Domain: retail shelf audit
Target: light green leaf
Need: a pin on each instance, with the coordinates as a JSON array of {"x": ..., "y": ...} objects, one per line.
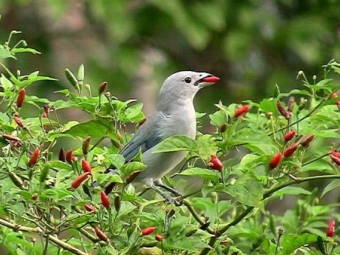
[
  {"x": 292, "y": 242},
  {"x": 203, "y": 173},
  {"x": 332, "y": 185},
  {"x": 291, "y": 191},
  {"x": 176, "y": 143},
  {"x": 93, "y": 128}
]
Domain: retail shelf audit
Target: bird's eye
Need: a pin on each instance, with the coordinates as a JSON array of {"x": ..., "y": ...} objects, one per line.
[{"x": 187, "y": 79}]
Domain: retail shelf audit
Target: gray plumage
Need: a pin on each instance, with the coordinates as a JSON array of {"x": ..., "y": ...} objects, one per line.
[{"x": 174, "y": 115}]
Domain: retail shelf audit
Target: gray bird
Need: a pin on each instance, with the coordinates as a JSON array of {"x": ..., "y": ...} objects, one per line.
[{"x": 174, "y": 115}]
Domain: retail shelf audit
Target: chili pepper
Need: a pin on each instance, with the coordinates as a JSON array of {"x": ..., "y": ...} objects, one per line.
[
  {"x": 109, "y": 188},
  {"x": 61, "y": 155},
  {"x": 34, "y": 158},
  {"x": 79, "y": 180},
  {"x": 331, "y": 229},
  {"x": 100, "y": 234},
  {"x": 241, "y": 110},
  {"x": 147, "y": 231},
  {"x": 132, "y": 176},
  {"x": 105, "y": 200},
  {"x": 305, "y": 141},
  {"x": 159, "y": 238},
  {"x": 215, "y": 163},
  {"x": 335, "y": 159},
  {"x": 69, "y": 157},
  {"x": 19, "y": 122},
  {"x": 282, "y": 110},
  {"x": 275, "y": 161},
  {"x": 117, "y": 203},
  {"x": 86, "y": 166},
  {"x": 89, "y": 208},
  {"x": 102, "y": 88},
  {"x": 289, "y": 135},
  {"x": 21, "y": 97},
  {"x": 290, "y": 150}
]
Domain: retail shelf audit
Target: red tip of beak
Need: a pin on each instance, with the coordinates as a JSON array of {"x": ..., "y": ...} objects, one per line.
[{"x": 211, "y": 79}]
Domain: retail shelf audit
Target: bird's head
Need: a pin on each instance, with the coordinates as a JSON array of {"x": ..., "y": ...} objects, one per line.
[{"x": 185, "y": 84}]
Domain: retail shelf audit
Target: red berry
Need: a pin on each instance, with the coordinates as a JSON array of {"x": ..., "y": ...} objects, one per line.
[
  {"x": 275, "y": 161},
  {"x": 215, "y": 163},
  {"x": 241, "y": 110},
  {"x": 21, "y": 97},
  {"x": 86, "y": 166},
  {"x": 159, "y": 238},
  {"x": 79, "y": 180},
  {"x": 290, "y": 150},
  {"x": 34, "y": 158},
  {"x": 100, "y": 234},
  {"x": 289, "y": 135},
  {"x": 147, "y": 231},
  {"x": 105, "y": 200},
  {"x": 331, "y": 229}
]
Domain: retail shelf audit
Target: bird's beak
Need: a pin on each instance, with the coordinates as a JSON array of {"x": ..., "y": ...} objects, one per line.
[{"x": 207, "y": 80}]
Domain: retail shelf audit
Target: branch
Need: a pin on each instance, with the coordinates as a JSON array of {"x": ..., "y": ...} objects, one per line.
[
  {"x": 267, "y": 194},
  {"x": 52, "y": 238}
]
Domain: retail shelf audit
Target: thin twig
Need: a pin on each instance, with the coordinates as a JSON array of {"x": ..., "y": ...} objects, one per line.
[{"x": 52, "y": 238}]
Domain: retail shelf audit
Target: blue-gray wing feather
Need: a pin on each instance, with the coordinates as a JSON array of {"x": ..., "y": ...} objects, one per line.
[{"x": 146, "y": 137}]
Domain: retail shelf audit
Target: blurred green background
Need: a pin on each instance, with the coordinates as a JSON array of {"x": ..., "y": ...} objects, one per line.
[{"x": 252, "y": 45}]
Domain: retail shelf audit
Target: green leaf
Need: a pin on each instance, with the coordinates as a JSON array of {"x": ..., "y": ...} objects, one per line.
[
  {"x": 332, "y": 185},
  {"x": 93, "y": 128},
  {"x": 131, "y": 167},
  {"x": 203, "y": 173},
  {"x": 5, "y": 54},
  {"x": 291, "y": 191},
  {"x": 116, "y": 159},
  {"x": 176, "y": 143},
  {"x": 246, "y": 190},
  {"x": 292, "y": 242}
]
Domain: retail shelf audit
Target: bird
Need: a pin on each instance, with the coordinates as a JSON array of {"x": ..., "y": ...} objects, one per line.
[{"x": 174, "y": 115}]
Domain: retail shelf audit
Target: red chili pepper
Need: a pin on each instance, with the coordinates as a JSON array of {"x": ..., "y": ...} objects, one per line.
[
  {"x": 69, "y": 157},
  {"x": 215, "y": 163},
  {"x": 100, "y": 234},
  {"x": 79, "y": 180},
  {"x": 34, "y": 158},
  {"x": 19, "y": 122},
  {"x": 11, "y": 138},
  {"x": 282, "y": 110},
  {"x": 335, "y": 159},
  {"x": 241, "y": 110},
  {"x": 61, "y": 155},
  {"x": 305, "y": 141},
  {"x": 147, "y": 231},
  {"x": 335, "y": 153},
  {"x": 102, "y": 87},
  {"x": 290, "y": 150},
  {"x": 21, "y": 97},
  {"x": 89, "y": 208},
  {"x": 159, "y": 238},
  {"x": 86, "y": 166},
  {"x": 331, "y": 229},
  {"x": 289, "y": 135},
  {"x": 105, "y": 200},
  {"x": 86, "y": 145},
  {"x": 275, "y": 161}
]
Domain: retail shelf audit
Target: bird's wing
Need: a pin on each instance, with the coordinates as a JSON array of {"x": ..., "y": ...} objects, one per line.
[{"x": 146, "y": 137}]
